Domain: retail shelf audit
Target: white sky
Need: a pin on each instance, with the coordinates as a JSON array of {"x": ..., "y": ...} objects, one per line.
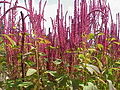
[
  {"x": 50, "y": 9},
  {"x": 115, "y": 6},
  {"x": 68, "y": 5}
]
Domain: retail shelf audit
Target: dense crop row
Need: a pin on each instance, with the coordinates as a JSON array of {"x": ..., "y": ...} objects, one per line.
[{"x": 81, "y": 54}]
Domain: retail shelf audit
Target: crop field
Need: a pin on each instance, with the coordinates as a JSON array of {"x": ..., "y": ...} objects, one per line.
[{"x": 79, "y": 52}]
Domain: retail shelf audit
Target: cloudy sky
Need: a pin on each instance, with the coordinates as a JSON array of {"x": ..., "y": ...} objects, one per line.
[
  {"x": 51, "y": 6},
  {"x": 68, "y": 4},
  {"x": 50, "y": 9}
]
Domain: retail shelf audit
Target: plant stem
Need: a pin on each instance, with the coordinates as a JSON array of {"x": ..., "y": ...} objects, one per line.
[{"x": 22, "y": 47}]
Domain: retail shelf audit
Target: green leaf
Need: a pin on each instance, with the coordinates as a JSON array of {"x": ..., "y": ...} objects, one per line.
[
  {"x": 112, "y": 39},
  {"x": 99, "y": 63},
  {"x": 91, "y": 49},
  {"x": 68, "y": 51},
  {"x": 76, "y": 83},
  {"x": 100, "y": 46},
  {"x": 52, "y": 47},
  {"x": 10, "y": 39},
  {"x": 31, "y": 72},
  {"x": 111, "y": 86},
  {"x": 90, "y": 86},
  {"x": 81, "y": 56},
  {"x": 92, "y": 68},
  {"x": 29, "y": 63},
  {"x": 91, "y": 36},
  {"x": 28, "y": 53},
  {"x": 32, "y": 48},
  {"x": 57, "y": 62},
  {"x": 101, "y": 80},
  {"x": 100, "y": 34},
  {"x": 25, "y": 84},
  {"x": 69, "y": 84},
  {"x": 59, "y": 79},
  {"x": 2, "y": 49},
  {"x": 28, "y": 43},
  {"x": 42, "y": 54},
  {"x": 118, "y": 43},
  {"x": 44, "y": 41},
  {"x": 52, "y": 73},
  {"x": 110, "y": 71},
  {"x": 78, "y": 67},
  {"x": 117, "y": 62},
  {"x": 46, "y": 59}
]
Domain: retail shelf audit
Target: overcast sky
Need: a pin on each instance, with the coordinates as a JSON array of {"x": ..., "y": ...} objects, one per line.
[
  {"x": 50, "y": 9},
  {"x": 68, "y": 4}
]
